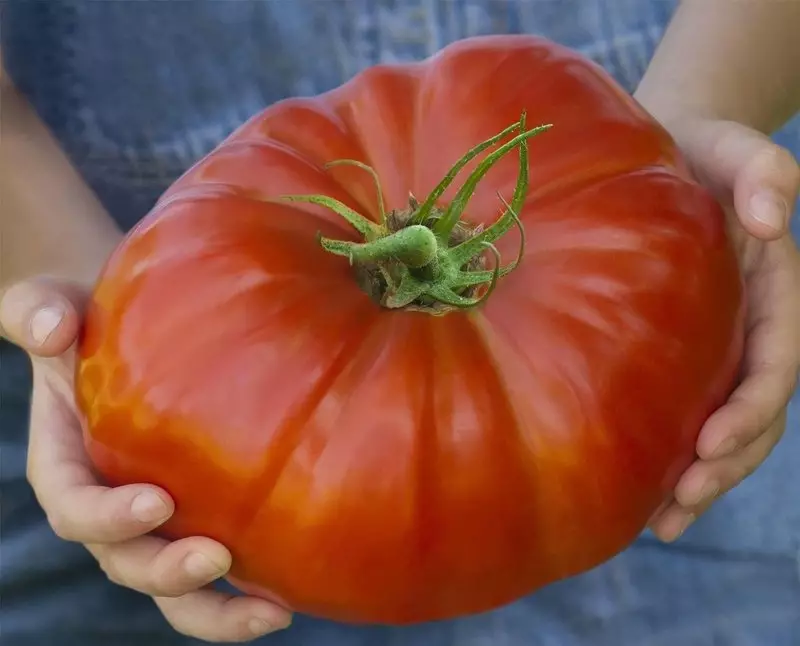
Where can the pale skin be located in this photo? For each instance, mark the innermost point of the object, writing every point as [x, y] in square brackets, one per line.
[725, 76]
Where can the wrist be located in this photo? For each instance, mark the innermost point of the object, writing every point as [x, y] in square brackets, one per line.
[76, 260]
[727, 60]
[51, 220]
[85, 260]
[669, 107]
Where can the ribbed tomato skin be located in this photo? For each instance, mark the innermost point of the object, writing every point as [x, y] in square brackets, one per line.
[378, 466]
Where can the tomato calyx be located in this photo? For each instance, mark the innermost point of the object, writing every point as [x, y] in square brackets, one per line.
[425, 257]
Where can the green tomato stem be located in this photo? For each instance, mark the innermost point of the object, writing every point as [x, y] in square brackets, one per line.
[426, 258]
[415, 247]
[454, 211]
[425, 210]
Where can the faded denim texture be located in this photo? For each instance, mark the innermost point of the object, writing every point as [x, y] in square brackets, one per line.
[136, 90]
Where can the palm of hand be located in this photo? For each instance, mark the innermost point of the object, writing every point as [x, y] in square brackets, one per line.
[55, 416]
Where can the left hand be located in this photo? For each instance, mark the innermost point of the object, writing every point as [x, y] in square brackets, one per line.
[757, 181]
[43, 317]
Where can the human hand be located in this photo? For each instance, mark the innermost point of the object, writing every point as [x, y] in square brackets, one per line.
[43, 317]
[757, 182]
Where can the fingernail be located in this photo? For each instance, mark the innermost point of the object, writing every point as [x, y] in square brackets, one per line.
[199, 566]
[770, 209]
[148, 507]
[260, 627]
[726, 447]
[44, 323]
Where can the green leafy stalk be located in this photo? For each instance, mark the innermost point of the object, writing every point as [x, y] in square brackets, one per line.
[424, 211]
[376, 180]
[471, 247]
[452, 215]
[425, 262]
[414, 246]
[365, 227]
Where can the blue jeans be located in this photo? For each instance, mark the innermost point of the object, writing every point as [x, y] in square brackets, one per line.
[135, 92]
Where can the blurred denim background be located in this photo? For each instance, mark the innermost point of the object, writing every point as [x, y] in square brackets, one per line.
[136, 90]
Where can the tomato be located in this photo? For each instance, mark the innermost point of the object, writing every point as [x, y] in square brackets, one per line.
[381, 427]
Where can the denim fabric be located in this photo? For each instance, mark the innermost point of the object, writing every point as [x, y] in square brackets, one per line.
[136, 90]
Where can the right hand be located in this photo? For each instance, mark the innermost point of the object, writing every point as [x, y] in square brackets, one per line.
[42, 316]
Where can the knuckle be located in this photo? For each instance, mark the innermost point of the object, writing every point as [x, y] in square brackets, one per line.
[775, 158]
[165, 581]
[32, 474]
[746, 471]
[776, 432]
[156, 581]
[726, 140]
[181, 626]
[110, 567]
[61, 525]
[167, 588]
[183, 619]
[792, 377]
[787, 162]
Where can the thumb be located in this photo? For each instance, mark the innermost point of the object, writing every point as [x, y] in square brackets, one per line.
[763, 177]
[42, 315]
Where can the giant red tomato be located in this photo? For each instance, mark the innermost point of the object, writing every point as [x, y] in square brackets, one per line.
[375, 433]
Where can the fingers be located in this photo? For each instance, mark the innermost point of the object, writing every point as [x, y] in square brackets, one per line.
[765, 190]
[763, 177]
[740, 435]
[671, 524]
[771, 360]
[77, 507]
[705, 481]
[96, 514]
[161, 568]
[113, 523]
[175, 575]
[42, 315]
[221, 618]
[752, 408]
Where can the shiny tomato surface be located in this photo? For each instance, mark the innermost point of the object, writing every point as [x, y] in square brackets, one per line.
[388, 466]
